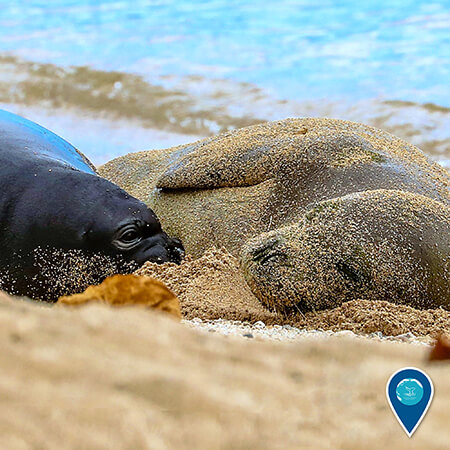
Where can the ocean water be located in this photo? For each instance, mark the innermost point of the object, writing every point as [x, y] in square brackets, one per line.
[193, 68]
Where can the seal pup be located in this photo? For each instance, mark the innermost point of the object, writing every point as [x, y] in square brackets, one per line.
[59, 219]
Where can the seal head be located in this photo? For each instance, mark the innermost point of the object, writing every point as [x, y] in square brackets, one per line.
[53, 204]
[373, 245]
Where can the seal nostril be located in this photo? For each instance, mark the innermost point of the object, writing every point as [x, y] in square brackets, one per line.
[176, 251]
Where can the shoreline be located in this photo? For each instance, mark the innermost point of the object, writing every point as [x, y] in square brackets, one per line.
[100, 138]
[107, 114]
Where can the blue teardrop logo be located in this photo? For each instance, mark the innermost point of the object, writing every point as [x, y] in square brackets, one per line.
[409, 392]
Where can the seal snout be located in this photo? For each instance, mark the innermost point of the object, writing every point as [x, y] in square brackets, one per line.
[159, 249]
[175, 250]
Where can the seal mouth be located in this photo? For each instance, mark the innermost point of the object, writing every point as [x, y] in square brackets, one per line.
[159, 250]
[176, 251]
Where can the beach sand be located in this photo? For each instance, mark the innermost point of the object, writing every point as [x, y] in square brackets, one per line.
[97, 377]
[213, 288]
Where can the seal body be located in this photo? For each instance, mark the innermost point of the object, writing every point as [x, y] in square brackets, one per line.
[224, 190]
[53, 204]
[240, 189]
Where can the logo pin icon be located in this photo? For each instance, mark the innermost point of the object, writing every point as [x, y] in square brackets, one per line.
[409, 392]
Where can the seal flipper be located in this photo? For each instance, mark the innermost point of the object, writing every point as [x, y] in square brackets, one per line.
[206, 168]
[244, 157]
[252, 155]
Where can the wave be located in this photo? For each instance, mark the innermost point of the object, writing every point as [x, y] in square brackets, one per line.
[200, 106]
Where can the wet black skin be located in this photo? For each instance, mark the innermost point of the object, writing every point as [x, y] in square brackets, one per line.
[59, 202]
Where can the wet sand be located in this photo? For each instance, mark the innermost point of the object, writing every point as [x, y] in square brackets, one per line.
[110, 113]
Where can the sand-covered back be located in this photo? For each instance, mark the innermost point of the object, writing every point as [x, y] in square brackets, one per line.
[213, 287]
[97, 377]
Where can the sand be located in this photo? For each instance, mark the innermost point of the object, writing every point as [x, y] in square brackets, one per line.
[231, 375]
[213, 287]
[100, 378]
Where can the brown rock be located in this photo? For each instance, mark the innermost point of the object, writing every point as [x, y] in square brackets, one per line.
[121, 290]
[441, 349]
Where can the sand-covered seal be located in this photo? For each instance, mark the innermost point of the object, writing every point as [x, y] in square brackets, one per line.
[59, 220]
[384, 244]
[225, 190]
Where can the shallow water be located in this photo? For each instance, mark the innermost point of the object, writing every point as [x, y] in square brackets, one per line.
[196, 68]
[303, 49]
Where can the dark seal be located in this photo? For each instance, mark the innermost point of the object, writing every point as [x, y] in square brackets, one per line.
[63, 227]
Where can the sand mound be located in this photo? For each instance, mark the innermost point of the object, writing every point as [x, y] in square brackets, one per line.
[213, 287]
[365, 316]
[97, 377]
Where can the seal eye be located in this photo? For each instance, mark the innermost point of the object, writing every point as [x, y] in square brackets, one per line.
[128, 238]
